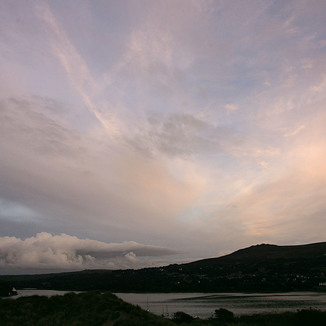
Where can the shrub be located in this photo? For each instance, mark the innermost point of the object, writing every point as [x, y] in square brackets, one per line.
[224, 315]
[311, 317]
[181, 317]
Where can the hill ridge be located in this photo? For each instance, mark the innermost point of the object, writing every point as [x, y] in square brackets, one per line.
[257, 250]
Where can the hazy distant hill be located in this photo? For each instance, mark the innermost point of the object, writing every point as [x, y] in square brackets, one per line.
[257, 268]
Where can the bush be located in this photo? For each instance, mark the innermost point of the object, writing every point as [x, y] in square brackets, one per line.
[180, 317]
[224, 315]
[311, 317]
[115, 315]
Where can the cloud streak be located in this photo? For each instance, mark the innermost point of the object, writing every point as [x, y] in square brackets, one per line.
[74, 65]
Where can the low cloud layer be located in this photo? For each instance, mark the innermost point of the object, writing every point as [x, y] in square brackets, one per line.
[60, 252]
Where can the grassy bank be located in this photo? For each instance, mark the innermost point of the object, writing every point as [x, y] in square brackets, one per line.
[90, 309]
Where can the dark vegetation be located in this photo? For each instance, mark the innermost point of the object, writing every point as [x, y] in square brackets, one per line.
[105, 309]
[91, 308]
[261, 268]
[5, 289]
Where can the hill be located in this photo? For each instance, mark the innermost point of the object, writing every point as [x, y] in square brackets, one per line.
[265, 252]
[257, 268]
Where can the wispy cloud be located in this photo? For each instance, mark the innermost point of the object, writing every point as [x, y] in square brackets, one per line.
[73, 63]
[294, 132]
[231, 108]
[82, 175]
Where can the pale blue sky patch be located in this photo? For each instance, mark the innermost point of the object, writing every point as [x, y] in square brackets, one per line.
[17, 212]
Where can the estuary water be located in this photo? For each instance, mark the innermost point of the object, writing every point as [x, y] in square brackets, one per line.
[204, 304]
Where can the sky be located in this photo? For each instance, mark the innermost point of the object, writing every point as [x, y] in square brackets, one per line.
[143, 133]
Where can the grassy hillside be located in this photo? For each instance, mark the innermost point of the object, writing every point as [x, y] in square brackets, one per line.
[257, 268]
[91, 308]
